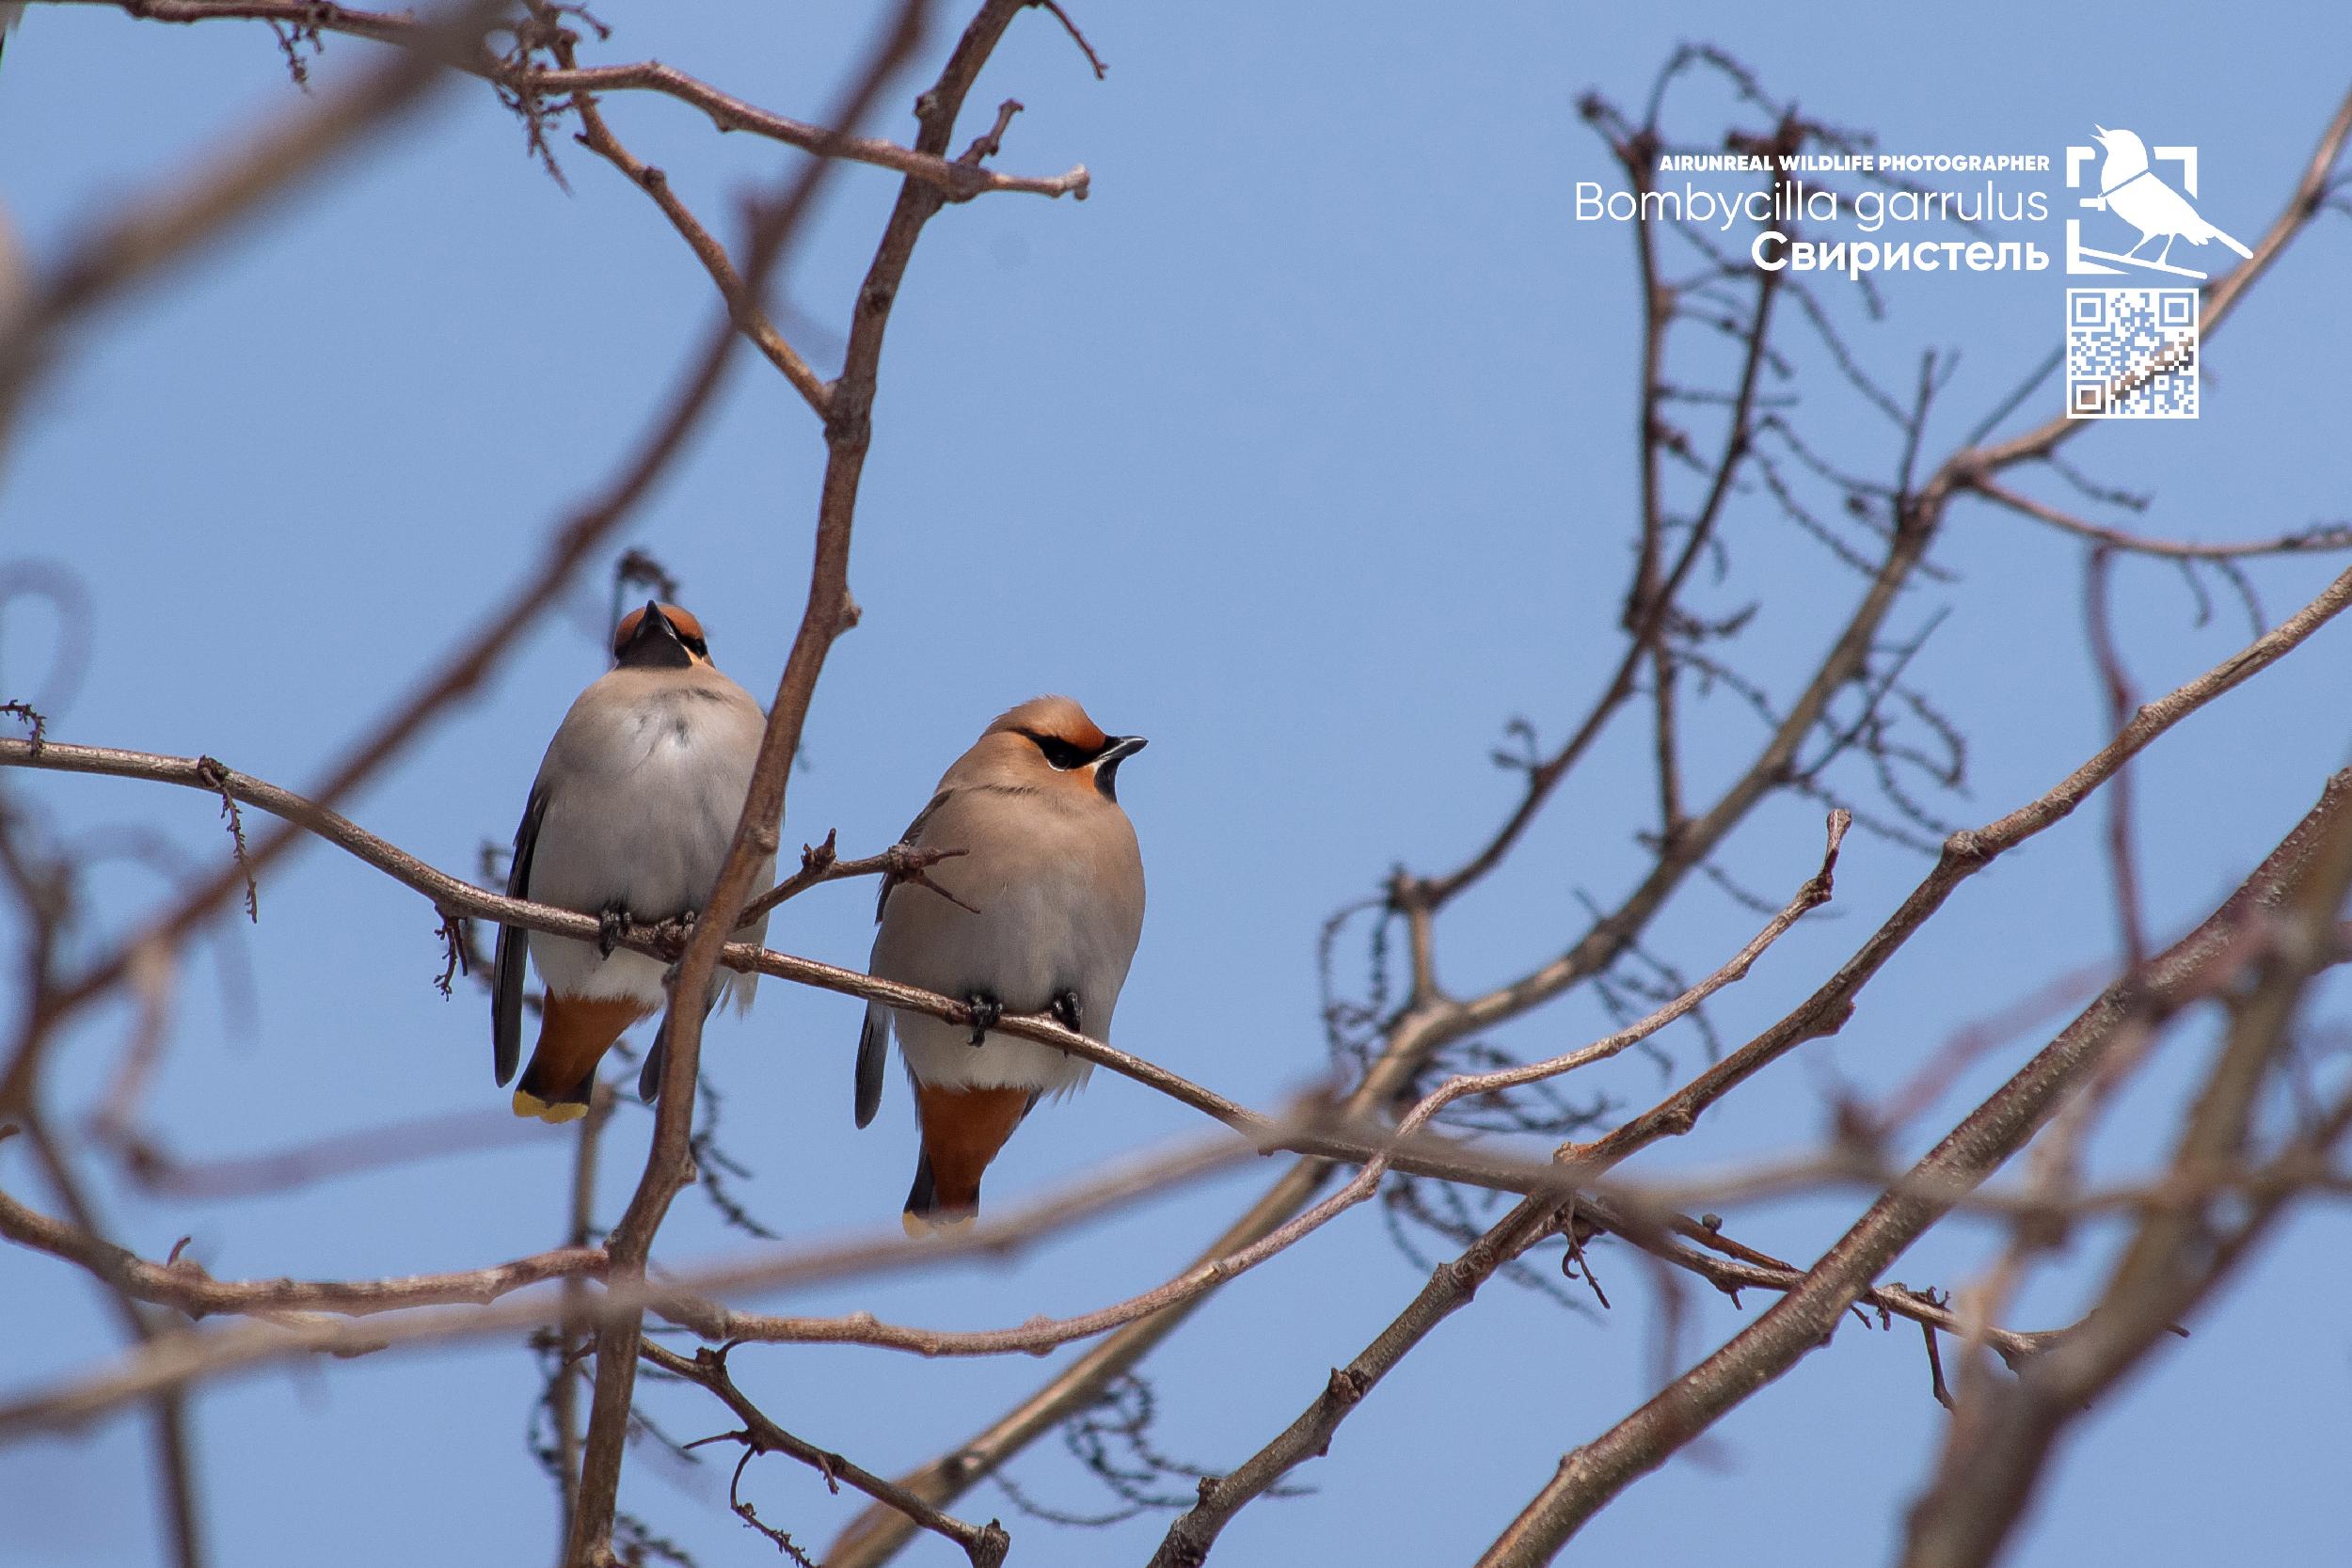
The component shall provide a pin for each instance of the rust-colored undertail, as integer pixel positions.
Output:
(963, 1130)
(575, 1032)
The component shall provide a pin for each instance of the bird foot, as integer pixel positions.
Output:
(1069, 1012)
(674, 933)
(986, 1011)
(611, 921)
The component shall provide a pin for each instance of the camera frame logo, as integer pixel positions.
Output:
(2131, 352)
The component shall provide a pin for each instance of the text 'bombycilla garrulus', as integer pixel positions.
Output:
(629, 820)
(1040, 912)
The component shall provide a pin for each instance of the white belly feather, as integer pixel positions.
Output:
(643, 796)
(1049, 927)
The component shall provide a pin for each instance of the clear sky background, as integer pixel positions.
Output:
(1303, 449)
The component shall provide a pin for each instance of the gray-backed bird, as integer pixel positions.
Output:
(1039, 913)
(629, 820)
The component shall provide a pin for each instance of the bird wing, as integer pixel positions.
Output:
(506, 983)
(911, 837)
(873, 1041)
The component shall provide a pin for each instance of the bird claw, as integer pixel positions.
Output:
(1069, 1012)
(674, 933)
(611, 921)
(986, 1011)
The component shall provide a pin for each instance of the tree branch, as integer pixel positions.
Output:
(1964, 854)
(180, 1359)
(2198, 965)
(956, 182)
(2335, 536)
(751, 318)
(669, 1162)
(984, 1544)
(192, 209)
(2002, 1438)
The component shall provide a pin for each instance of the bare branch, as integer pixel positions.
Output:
(669, 1164)
(2333, 536)
(984, 1544)
(187, 212)
(1964, 854)
(824, 864)
(184, 1286)
(2002, 1437)
(2200, 964)
(726, 112)
(750, 317)
(171, 1362)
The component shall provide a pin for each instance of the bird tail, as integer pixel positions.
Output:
(2228, 241)
(963, 1130)
(873, 1054)
(575, 1032)
(658, 1054)
(657, 1061)
(925, 1214)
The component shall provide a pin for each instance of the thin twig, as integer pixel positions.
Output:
(2331, 536)
(984, 1544)
(528, 80)
(2200, 964)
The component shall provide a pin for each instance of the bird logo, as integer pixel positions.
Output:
(2130, 188)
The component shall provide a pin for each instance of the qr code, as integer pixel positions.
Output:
(2131, 354)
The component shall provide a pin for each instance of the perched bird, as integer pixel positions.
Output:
(1039, 913)
(629, 820)
(2130, 189)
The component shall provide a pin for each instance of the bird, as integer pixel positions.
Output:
(629, 819)
(1038, 910)
(2130, 189)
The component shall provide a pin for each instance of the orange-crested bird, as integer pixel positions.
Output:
(629, 820)
(1039, 913)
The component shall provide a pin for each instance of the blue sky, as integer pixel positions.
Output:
(1302, 448)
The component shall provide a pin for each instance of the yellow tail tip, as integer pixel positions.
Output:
(945, 1222)
(528, 1104)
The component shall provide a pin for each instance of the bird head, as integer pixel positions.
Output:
(660, 637)
(2124, 146)
(1049, 743)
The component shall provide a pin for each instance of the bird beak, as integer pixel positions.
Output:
(655, 644)
(1122, 747)
(2099, 134)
